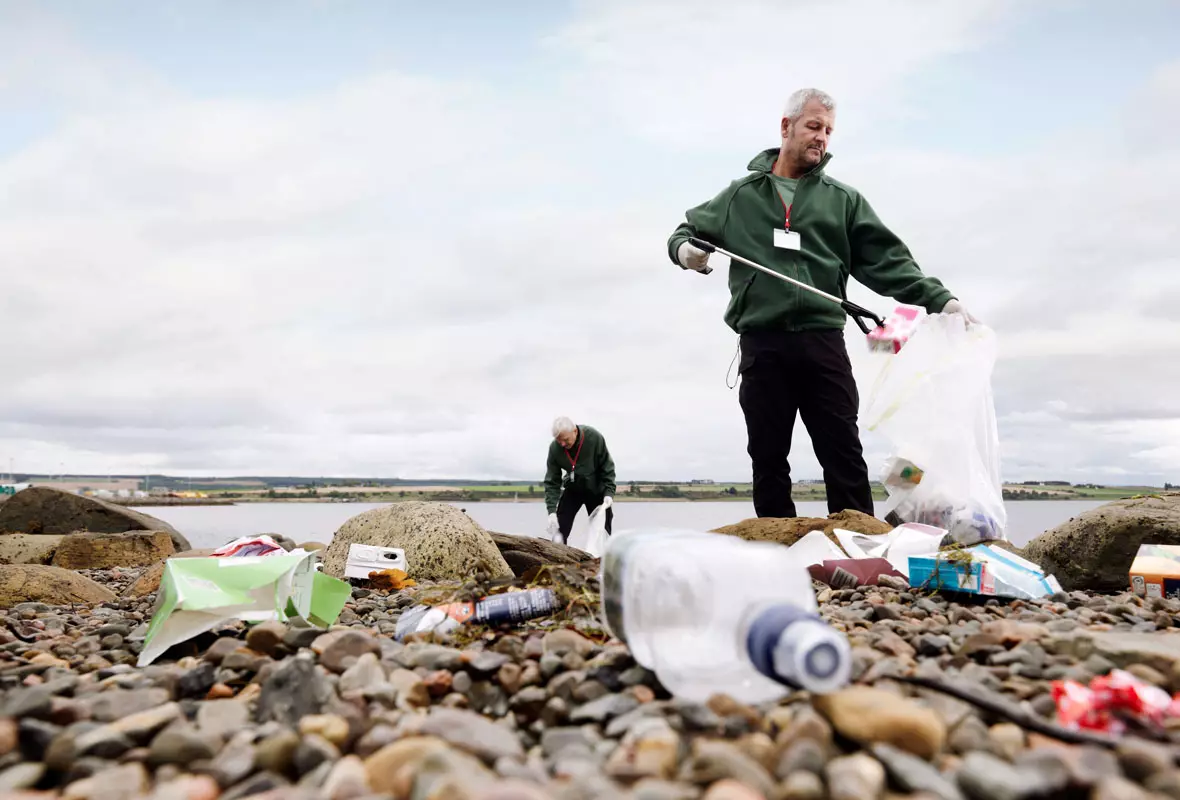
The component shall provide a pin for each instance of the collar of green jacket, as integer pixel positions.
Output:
(764, 162)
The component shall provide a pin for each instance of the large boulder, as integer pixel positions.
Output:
(148, 581)
(441, 542)
(788, 530)
(36, 583)
(1094, 550)
(24, 548)
(526, 552)
(106, 550)
(40, 509)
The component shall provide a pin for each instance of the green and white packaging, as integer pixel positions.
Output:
(199, 594)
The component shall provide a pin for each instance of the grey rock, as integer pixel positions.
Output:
(114, 704)
(620, 725)
(312, 752)
(473, 733)
(222, 718)
(986, 777)
(912, 774)
(801, 755)
(604, 708)
(551, 664)
(197, 681)
(276, 753)
(258, 784)
(855, 777)
(235, 762)
(103, 743)
(31, 701)
(559, 741)
(712, 761)
(487, 662)
(35, 736)
(697, 716)
(932, 645)
(21, 776)
(367, 671)
(295, 690)
(181, 744)
(431, 656)
(1140, 759)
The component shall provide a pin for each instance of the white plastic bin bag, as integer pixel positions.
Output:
(933, 402)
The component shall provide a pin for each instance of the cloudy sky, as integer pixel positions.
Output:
(398, 238)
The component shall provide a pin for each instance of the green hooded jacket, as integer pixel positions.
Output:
(594, 474)
(841, 237)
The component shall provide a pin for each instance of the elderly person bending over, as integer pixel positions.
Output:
(579, 472)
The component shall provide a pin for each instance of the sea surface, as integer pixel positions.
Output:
(211, 526)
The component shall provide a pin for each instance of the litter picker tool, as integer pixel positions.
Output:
(858, 313)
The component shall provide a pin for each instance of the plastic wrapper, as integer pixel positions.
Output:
(899, 327)
(1110, 702)
(933, 403)
(250, 546)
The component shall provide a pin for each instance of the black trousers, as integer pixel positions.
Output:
(806, 373)
(573, 499)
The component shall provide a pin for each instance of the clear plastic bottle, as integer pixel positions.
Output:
(711, 613)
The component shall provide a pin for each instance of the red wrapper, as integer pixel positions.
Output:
(899, 326)
(1111, 699)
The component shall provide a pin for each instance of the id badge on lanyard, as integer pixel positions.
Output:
(569, 476)
(786, 238)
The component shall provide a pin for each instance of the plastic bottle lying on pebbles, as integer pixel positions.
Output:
(703, 611)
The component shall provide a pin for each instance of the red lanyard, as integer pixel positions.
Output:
(574, 458)
(787, 210)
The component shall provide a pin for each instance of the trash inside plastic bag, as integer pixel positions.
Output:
(983, 570)
(596, 534)
(933, 402)
(250, 546)
(497, 609)
(200, 594)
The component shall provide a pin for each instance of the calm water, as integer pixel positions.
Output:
(210, 526)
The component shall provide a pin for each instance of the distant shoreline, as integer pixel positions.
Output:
(382, 500)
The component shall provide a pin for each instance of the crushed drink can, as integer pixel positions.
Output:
(497, 609)
(899, 327)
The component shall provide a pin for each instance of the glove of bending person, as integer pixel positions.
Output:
(955, 307)
(693, 258)
(607, 502)
(553, 531)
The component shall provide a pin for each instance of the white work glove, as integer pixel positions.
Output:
(553, 531)
(693, 258)
(955, 307)
(606, 503)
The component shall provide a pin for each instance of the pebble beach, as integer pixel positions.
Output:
(951, 699)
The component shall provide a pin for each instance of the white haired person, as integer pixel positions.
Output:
(579, 473)
(788, 215)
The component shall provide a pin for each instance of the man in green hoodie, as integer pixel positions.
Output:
(579, 452)
(788, 215)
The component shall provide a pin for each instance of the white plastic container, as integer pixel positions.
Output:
(710, 613)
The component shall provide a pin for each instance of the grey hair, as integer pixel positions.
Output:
(563, 425)
(801, 97)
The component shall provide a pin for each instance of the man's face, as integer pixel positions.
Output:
(567, 438)
(805, 139)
